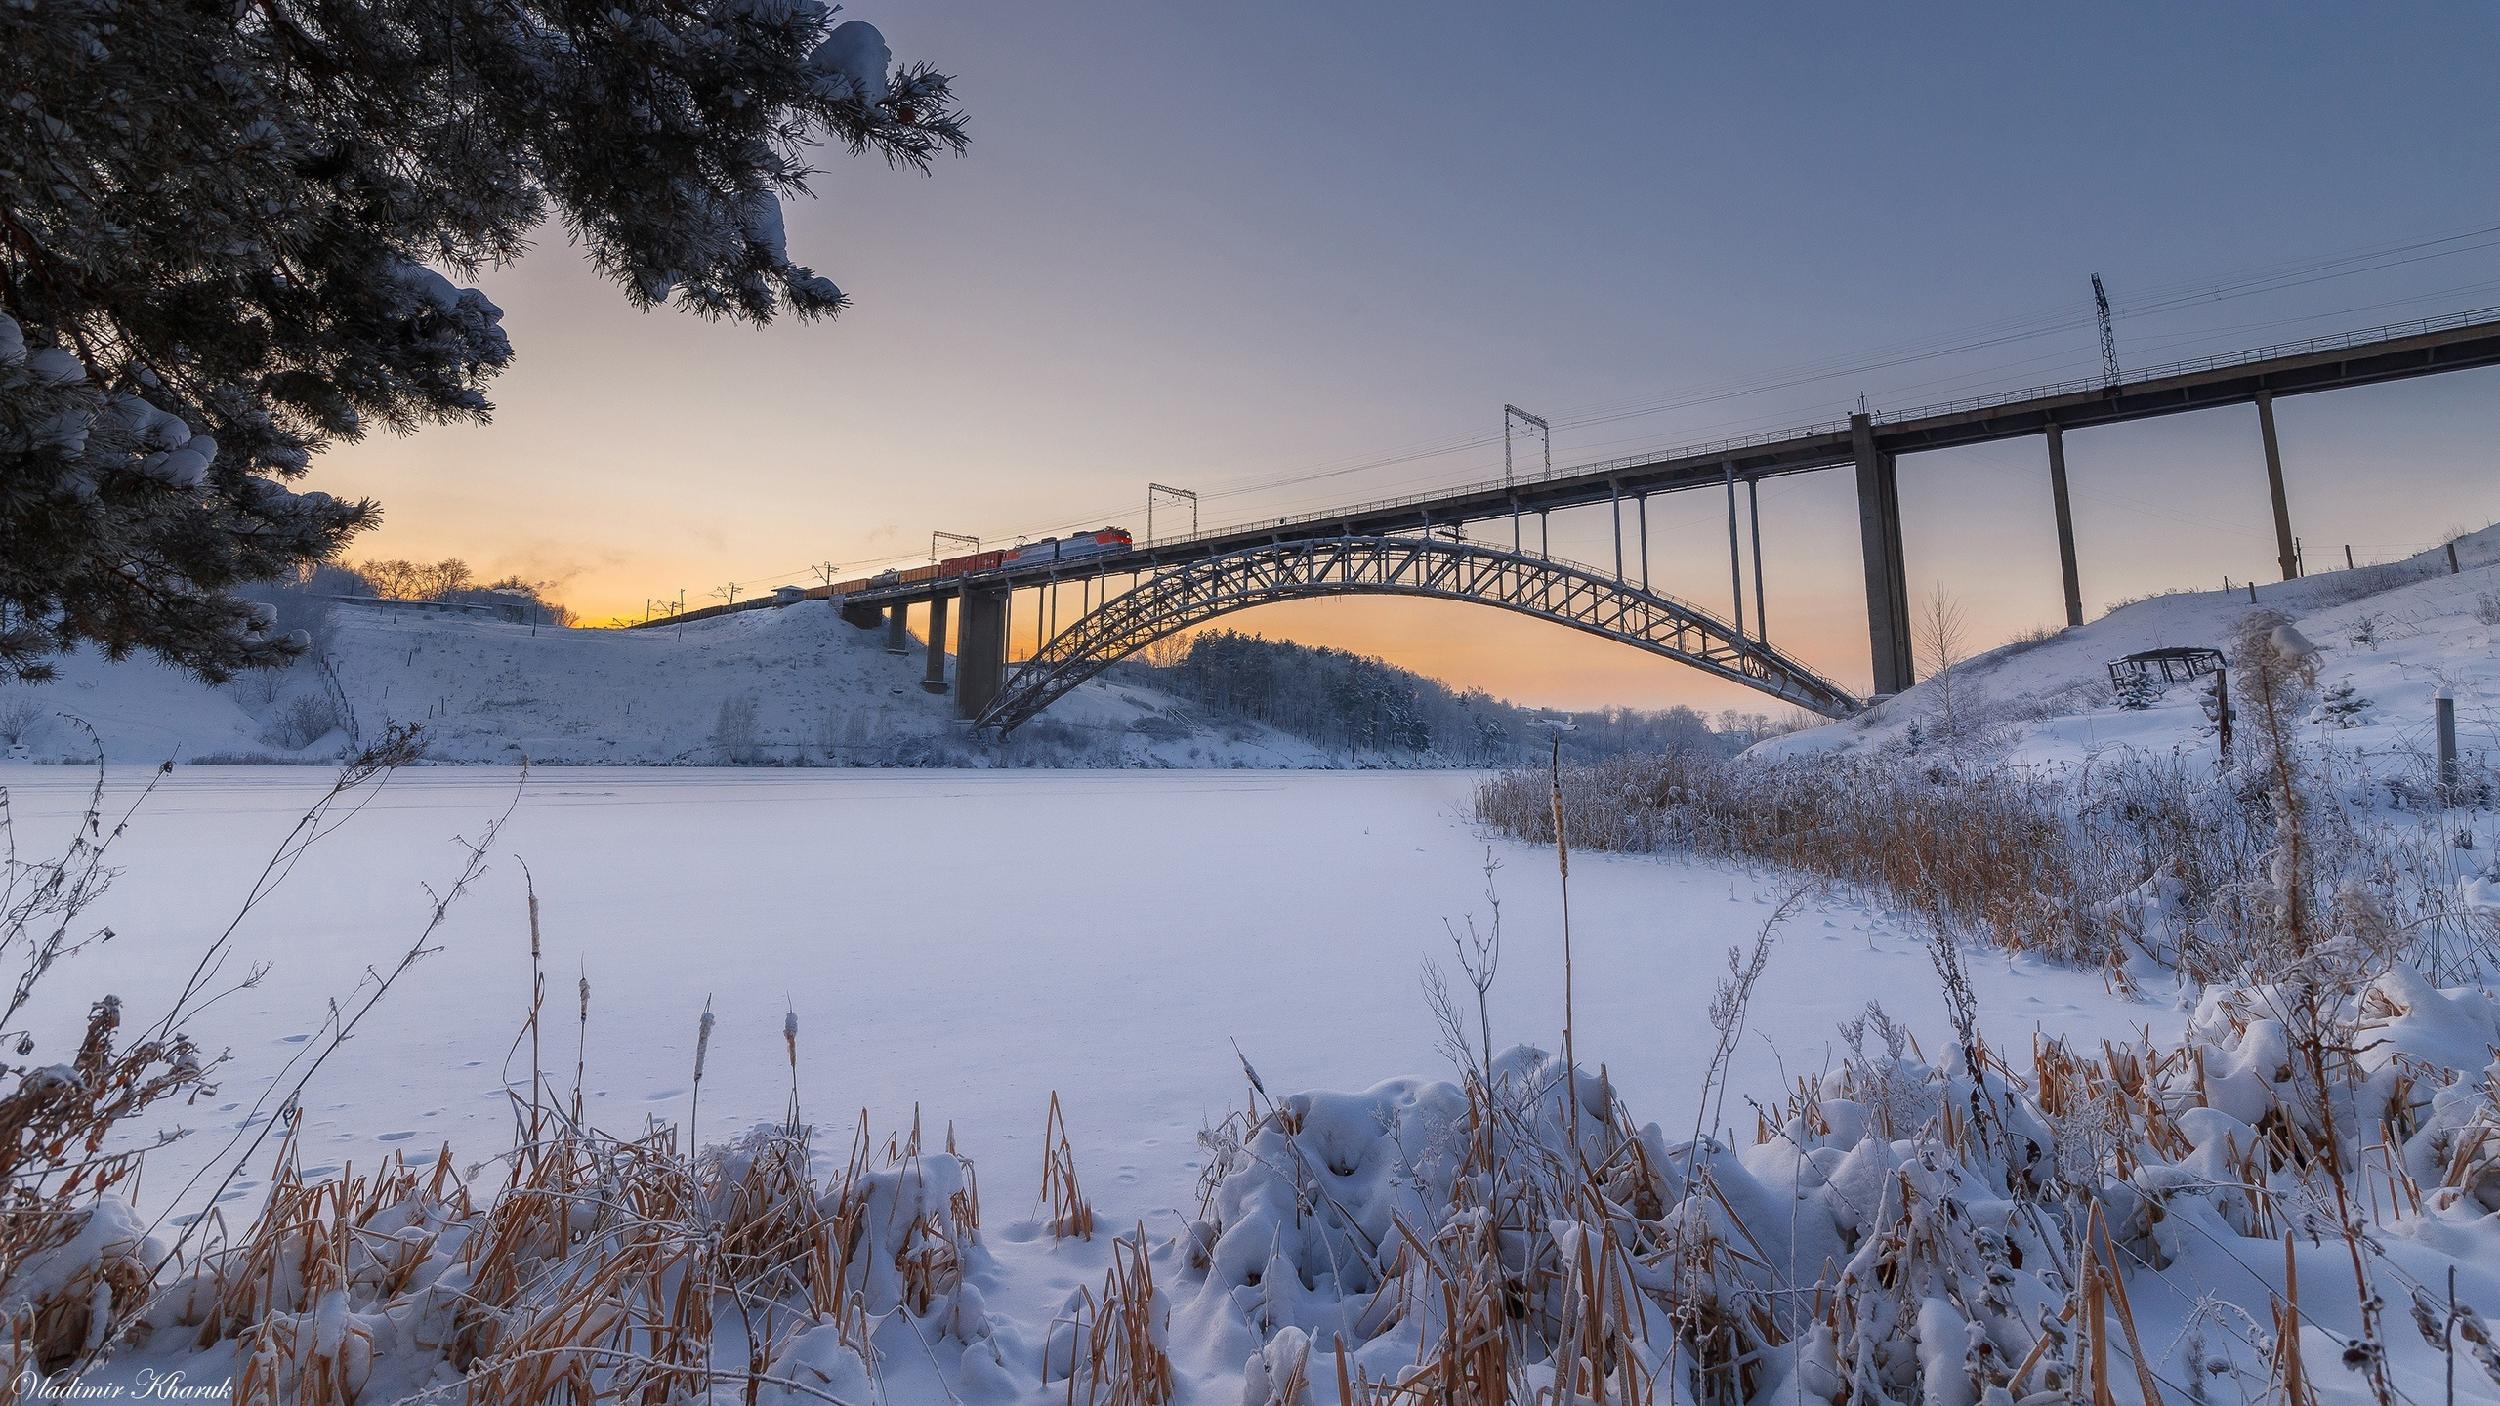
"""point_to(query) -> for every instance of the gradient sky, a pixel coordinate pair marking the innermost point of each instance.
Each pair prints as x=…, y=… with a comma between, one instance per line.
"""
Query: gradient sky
x=1222, y=245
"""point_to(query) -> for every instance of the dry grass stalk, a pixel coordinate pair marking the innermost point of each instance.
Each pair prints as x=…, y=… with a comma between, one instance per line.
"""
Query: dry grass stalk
x=1070, y=1214
x=1112, y=1344
x=2108, y=866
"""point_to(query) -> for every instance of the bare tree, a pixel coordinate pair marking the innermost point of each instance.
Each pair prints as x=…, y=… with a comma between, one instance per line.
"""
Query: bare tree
x=445, y=577
x=393, y=579
x=1943, y=643
x=1166, y=652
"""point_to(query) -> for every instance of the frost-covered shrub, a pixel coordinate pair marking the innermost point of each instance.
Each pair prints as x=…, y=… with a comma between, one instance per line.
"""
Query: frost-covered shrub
x=22, y=719
x=1963, y=1227
x=2150, y=863
x=300, y=720
x=734, y=736
x=1157, y=727
x=75, y=1262
x=601, y=1260
x=298, y=610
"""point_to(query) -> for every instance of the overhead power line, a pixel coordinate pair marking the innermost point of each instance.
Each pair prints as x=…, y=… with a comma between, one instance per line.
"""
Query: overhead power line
x=1973, y=338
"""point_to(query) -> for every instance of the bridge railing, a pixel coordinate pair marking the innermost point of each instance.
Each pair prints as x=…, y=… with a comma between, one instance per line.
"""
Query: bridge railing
x=2339, y=341
x=1515, y=481
x=1596, y=468
x=2330, y=342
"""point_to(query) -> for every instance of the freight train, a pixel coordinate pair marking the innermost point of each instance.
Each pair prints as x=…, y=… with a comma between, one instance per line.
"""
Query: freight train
x=1079, y=546
x=1074, y=547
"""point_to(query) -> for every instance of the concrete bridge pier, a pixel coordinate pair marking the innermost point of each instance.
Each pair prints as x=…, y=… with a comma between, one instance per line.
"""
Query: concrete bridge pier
x=981, y=652
x=896, y=642
x=935, y=680
x=1879, y=543
x=865, y=617
x=2286, y=552
x=2065, y=527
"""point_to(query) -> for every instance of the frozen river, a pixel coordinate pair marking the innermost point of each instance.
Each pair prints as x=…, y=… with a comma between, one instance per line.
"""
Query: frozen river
x=968, y=942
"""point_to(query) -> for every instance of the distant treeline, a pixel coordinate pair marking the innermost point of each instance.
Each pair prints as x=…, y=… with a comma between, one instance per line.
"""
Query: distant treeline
x=303, y=602
x=1353, y=702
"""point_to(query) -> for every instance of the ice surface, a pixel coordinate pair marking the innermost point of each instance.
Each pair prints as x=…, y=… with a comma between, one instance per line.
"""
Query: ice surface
x=966, y=941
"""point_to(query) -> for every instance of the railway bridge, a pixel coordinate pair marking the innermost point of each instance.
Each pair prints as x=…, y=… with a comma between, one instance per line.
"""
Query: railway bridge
x=1413, y=545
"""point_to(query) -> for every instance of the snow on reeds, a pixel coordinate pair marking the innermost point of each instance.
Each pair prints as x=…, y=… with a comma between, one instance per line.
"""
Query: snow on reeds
x=1897, y=1228
x=2226, y=1215
x=2137, y=863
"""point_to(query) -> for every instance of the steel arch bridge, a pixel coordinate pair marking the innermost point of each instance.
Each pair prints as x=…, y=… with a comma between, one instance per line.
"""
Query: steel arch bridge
x=1305, y=569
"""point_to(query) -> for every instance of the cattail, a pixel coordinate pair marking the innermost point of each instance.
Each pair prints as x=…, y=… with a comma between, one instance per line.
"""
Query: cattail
x=790, y=1041
x=581, y=1048
x=702, y=1044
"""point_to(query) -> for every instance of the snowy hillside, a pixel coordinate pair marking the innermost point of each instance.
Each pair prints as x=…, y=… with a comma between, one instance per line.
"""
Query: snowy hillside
x=765, y=687
x=2395, y=635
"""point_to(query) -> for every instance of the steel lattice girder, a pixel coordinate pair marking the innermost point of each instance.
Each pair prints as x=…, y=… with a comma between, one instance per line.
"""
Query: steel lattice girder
x=1561, y=592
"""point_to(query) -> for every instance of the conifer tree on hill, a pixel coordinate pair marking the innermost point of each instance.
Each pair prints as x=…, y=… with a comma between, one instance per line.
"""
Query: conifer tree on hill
x=220, y=226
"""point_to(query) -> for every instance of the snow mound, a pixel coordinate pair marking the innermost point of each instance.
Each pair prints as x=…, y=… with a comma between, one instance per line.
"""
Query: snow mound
x=2395, y=635
x=789, y=687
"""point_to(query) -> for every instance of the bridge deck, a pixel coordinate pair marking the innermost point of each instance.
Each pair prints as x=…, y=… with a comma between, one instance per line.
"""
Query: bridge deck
x=2428, y=347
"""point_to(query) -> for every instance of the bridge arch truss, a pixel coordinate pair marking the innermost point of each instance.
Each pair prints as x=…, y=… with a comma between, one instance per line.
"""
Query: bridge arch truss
x=1428, y=567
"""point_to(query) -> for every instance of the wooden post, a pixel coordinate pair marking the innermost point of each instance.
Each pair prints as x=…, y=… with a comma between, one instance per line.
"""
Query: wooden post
x=2445, y=711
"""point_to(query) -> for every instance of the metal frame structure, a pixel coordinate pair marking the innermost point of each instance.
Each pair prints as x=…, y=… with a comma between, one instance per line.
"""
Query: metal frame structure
x=1169, y=493
x=1565, y=593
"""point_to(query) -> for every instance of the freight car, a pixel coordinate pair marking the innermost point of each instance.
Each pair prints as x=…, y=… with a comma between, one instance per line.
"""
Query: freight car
x=1074, y=547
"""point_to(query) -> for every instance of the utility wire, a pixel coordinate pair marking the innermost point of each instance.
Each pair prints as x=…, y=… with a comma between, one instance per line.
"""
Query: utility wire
x=1983, y=336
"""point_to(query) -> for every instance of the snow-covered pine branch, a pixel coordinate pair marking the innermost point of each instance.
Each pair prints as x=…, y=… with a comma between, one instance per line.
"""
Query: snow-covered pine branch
x=226, y=236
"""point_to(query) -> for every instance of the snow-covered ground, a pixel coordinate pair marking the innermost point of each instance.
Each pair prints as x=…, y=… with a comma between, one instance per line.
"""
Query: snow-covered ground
x=960, y=946
x=966, y=942
x=823, y=693
x=2397, y=635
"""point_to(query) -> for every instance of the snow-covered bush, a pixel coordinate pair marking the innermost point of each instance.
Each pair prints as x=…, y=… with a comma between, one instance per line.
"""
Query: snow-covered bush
x=23, y=720
x=2142, y=863
x=596, y=1267
x=300, y=720
x=1897, y=1228
x=734, y=736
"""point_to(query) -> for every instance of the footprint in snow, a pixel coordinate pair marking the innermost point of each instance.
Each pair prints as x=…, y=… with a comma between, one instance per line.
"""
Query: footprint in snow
x=294, y=1039
x=394, y=1137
